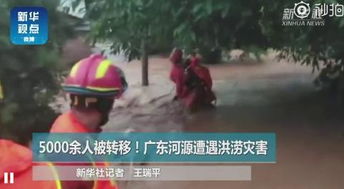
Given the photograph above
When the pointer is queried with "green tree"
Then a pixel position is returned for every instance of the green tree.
(214, 24)
(29, 74)
(131, 25)
(257, 25)
(305, 44)
(137, 25)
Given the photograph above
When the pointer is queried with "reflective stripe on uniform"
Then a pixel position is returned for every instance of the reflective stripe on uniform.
(112, 181)
(56, 176)
(95, 183)
(1, 92)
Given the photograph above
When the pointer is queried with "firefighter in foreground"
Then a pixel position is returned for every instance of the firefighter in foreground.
(16, 161)
(93, 85)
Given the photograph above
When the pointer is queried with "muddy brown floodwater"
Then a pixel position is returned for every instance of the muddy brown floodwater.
(268, 97)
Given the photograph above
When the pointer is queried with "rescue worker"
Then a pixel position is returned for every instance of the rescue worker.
(93, 84)
(193, 81)
(17, 159)
(177, 71)
(198, 91)
(201, 71)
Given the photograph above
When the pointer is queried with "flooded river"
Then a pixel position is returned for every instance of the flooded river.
(265, 97)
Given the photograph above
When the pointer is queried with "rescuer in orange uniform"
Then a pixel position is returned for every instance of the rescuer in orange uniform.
(17, 159)
(93, 84)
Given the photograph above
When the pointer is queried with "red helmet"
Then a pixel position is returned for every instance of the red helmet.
(176, 56)
(95, 76)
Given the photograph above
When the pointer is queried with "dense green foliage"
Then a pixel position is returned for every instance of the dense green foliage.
(215, 24)
(219, 24)
(29, 74)
(128, 23)
(305, 44)
(144, 26)
(209, 24)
